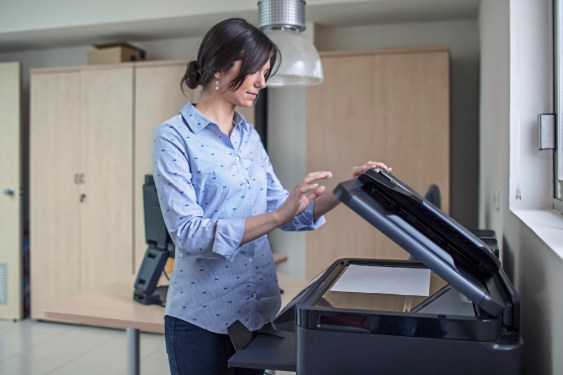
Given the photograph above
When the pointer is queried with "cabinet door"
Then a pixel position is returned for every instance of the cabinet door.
(54, 190)
(11, 296)
(393, 107)
(106, 207)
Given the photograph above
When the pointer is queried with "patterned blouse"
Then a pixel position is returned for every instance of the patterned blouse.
(208, 184)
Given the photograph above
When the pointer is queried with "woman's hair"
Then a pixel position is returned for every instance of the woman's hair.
(228, 41)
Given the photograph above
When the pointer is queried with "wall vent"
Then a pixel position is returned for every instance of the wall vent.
(3, 284)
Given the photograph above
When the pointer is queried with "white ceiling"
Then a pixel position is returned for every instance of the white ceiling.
(330, 14)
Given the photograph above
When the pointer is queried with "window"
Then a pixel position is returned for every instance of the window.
(558, 154)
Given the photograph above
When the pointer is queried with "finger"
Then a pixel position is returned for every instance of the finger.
(378, 164)
(303, 189)
(313, 194)
(357, 170)
(313, 176)
(364, 167)
(318, 175)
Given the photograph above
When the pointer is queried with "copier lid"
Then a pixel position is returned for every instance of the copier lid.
(430, 236)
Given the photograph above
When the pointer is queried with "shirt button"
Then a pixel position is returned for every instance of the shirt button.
(237, 157)
(250, 259)
(253, 295)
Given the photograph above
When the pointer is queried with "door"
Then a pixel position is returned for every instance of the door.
(11, 275)
(106, 197)
(55, 182)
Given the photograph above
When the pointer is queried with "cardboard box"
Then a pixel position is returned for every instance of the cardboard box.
(115, 53)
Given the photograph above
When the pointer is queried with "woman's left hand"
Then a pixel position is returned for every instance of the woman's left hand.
(326, 202)
(356, 171)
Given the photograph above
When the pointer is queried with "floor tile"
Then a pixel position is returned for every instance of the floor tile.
(74, 368)
(150, 343)
(157, 362)
(31, 347)
(74, 343)
(22, 336)
(112, 353)
(21, 364)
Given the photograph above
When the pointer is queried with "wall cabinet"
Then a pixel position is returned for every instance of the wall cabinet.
(91, 146)
(390, 106)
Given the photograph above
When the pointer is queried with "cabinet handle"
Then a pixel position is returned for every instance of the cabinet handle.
(9, 192)
(79, 178)
(82, 197)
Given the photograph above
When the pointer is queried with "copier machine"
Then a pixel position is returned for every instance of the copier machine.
(466, 323)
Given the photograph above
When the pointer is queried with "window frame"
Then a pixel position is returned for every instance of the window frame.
(558, 105)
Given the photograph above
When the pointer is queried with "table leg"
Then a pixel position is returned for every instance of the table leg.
(132, 337)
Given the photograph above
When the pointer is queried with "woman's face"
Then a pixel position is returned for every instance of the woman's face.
(247, 93)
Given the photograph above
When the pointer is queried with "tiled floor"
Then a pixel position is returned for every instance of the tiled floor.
(32, 347)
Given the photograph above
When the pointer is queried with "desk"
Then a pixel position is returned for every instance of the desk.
(113, 306)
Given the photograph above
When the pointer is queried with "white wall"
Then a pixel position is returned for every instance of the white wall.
(514, 89)
(287, 150)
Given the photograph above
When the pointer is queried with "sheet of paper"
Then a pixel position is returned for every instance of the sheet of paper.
(384, 280)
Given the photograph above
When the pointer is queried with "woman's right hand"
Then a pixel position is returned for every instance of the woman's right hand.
(302, 195)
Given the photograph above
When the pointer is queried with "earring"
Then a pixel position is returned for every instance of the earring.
(217, 85)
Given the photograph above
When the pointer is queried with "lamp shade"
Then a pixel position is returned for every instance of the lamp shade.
(283, 21)
(300, 62)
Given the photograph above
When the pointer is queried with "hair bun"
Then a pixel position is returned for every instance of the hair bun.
(192, 77)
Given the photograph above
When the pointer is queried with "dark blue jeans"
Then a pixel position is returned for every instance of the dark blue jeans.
(195, 351)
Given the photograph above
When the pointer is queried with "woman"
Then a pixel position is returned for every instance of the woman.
(220, 198)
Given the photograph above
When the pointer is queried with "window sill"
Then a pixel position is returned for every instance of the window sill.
(547, 225)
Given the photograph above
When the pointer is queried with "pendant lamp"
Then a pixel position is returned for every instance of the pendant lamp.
(283, 21)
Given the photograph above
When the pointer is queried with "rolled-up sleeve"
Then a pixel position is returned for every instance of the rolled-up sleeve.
(228, 237)
(304, 221)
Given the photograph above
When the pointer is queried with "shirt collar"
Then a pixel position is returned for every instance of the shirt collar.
(197, 121)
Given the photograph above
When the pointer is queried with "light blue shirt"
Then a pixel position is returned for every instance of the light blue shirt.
(208, 184)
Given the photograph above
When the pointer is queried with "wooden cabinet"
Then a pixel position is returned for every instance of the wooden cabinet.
(390, 106)
(91, 146)
(81, 159)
